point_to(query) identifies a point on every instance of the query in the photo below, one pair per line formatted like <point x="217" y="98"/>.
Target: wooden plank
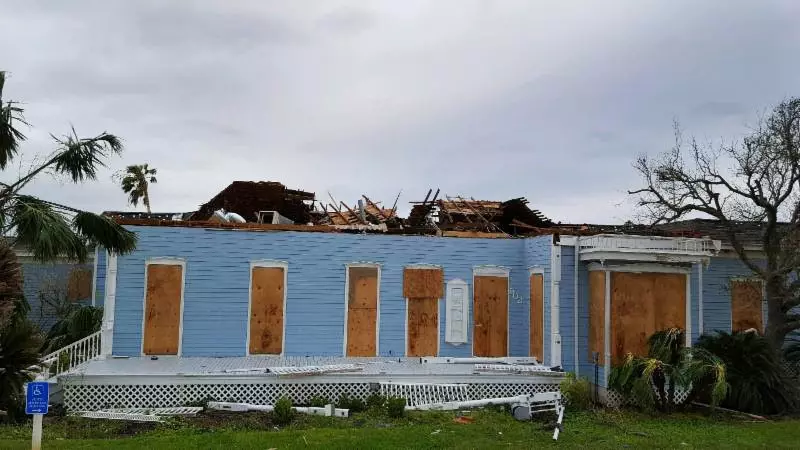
<point x="641" y="304"/>
<point x="597" y="307"/>
<point x="632" y="314"/>
<point x="423" y="326"/>
<point x="670" y="301"/>
<point x="746" y="300"/>
<point x="537" y="316"/>
<point x="163" y="309"/>
<point x="362" y="311"/>
<point x="490" y="325"/>
<point x="267" y="293"/>
<point x="79" y="285"/>
<point x="423" y="283"/>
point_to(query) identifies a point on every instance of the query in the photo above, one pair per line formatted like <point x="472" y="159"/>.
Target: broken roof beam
<point x="378" y="212"/>
<point x="356" y="216"/>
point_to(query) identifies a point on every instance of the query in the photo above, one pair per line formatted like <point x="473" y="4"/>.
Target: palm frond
<point x="10" y="135"/>
<point x="104" y="231"/>
<point x="80" y="158"/>
<point x="45" y="230"/>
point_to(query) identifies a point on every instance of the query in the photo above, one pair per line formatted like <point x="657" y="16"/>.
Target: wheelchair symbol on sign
<point x="37" y="391"/>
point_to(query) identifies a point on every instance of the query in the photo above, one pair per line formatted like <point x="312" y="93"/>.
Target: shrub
<point x="353" y="404"/>
<point x="19" y="351"/>
<point x="396" y="407"/>
<point x="318" y="401"/>
<point x="652" y="381"/>
<point x="759" y="382"/>
<point x="376" y="401"/>
<point x="283" y="412"/>
<point x="577" y="392"/>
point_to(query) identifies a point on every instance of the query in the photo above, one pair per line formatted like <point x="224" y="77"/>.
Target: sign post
<point x="37" y="397"/>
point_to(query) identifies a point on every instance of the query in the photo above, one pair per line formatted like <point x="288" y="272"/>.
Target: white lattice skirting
<point x="93" y="397"/>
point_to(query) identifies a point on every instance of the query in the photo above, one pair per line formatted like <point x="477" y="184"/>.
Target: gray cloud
<point x="484" y="99"/>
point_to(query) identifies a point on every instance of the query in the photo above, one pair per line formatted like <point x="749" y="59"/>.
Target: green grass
<point x="490" y="429"/>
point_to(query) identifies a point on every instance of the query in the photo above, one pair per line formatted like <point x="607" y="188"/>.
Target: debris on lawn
<point x="328" y="410"/>
<point x="463" y="419"/>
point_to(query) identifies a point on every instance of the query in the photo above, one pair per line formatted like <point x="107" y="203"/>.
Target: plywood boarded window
<point x="597" y="306"/>
<point x="746" y="301"/>
<point x="422" y="287"/>
<point x="490" y="306"/>
<point x="641" y="304"/>
<point x="163" y="298"/>
<point x="267" y="299"/>
<point x="362" y="311"/>
<point x="537" y="316"/>
<point x="79" y="285"/>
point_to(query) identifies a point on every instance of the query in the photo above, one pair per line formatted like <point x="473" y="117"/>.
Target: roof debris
<point x="271" y="206"/>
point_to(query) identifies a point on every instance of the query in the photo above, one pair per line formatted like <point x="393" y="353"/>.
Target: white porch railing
<point x="73" y="355"/>
<point x="648" y="244"/>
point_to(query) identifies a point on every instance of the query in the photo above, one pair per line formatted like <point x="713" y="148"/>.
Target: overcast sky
<point x="487" y="99"/>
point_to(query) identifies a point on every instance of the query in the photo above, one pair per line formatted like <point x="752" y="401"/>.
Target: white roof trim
<point x="535" y="269"/>
<point x="168" y="261"/>
<point x="269" y="263"/>
<point x="640" y="268"/>
<point x="422" y="266"/>
<point x="491" y="271"/>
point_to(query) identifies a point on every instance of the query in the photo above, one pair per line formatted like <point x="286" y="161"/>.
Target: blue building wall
<point x="567" y="309"/>
<point x="216" y="292"/>
<point x="717" y="293"/>
<point x="43" y="285"/>
<point x="100" y="278"/>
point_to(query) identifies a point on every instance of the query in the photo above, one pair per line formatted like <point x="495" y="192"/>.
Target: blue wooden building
<point x="570" y="301"/>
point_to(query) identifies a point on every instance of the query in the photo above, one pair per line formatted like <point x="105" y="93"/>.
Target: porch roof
<point x="603" y="247"/>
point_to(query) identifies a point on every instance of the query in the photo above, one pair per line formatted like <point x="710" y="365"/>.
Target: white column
<point x="555" y="306"/>
<point x="607" y="328"/>
<point x="107" y="328"/>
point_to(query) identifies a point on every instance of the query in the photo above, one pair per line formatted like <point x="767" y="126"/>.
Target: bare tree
<point x="756" y="180"/>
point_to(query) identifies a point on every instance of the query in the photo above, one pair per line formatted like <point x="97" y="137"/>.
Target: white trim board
<point x="535" y="270"/>
<point x="269" y="263"/>
<point x="640" y="268"/>
<point x="555" y="305"/>
<point x="423" y="266"/>
<point x="109" y="306"/>
<point x="348" y="266"/>
<point x="492" y="271"/>
<point x="166" y="261"/>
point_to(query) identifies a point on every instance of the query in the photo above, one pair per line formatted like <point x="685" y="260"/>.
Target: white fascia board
<point x="490" y="271"/>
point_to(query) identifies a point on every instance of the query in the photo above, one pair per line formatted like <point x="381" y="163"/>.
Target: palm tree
<point x="47" y="228"/>
<point x="135" y="183"/>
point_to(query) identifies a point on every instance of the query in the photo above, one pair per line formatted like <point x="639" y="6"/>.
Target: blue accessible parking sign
<point x="37" y="397"/>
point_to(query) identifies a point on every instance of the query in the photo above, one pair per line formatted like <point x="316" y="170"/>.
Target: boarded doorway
<point x="163" y="299"/>
<point x="267" y="299"/>
<point x="362" y="311"/>
<point x="422" y="288"/>
<point x="641" y="304"/>
<point x="537" y="316"/>
<point x="490" y="327"/>
<point x="746" y="300"/>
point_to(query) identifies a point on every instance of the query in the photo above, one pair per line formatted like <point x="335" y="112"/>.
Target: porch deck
<point x="177" y="381"/>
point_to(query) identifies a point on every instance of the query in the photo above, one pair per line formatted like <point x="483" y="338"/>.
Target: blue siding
<point x="717" y="293"/>
<point x="537" y="254"/>
<point x="46" y="282"/>
<point x="567" y="308"/>
<point x="217" y="285"/>
<point x="100" y="278"/>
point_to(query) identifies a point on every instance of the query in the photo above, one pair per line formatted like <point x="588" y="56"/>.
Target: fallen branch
<point x="732" y="411"/>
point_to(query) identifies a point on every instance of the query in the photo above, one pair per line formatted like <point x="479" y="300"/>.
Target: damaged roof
<point x="247" y="198"/>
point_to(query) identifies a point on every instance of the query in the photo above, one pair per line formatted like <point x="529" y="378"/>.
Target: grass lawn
<point x="490" y="429"/>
